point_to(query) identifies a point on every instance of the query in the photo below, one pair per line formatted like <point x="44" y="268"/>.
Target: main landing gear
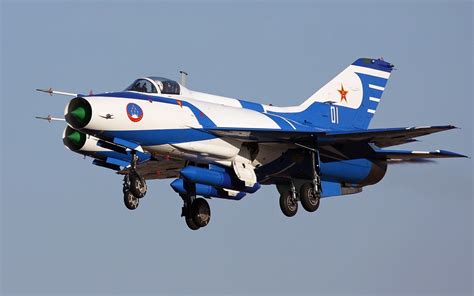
<point x="309" y="193"/>
<point x="196" y="212"/>
<point x="134" y="187"/>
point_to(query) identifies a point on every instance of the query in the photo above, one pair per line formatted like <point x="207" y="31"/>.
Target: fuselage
<point x="221" y="147"/>
<point x="176" y="125"/>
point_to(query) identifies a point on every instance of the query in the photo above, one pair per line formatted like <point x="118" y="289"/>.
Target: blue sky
<point x="66" y="231"/>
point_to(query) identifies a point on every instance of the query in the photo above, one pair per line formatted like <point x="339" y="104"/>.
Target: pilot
<point x="142" y="87"/>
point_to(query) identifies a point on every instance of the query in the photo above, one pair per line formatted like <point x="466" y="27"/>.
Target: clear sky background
<point x="65" y="229"/>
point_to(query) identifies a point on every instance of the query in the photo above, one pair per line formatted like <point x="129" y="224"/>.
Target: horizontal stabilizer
<point x="412" y="155"/>
<point x="385" y="137"/>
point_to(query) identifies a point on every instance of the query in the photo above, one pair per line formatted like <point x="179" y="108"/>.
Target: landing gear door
<point x="244" y="171"/>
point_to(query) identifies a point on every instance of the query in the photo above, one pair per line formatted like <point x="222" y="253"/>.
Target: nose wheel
<point x="137" y="185"/>
<point x="134" y="187"/>
<point x="131" y="201"/>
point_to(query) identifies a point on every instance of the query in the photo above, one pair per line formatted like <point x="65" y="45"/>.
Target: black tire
<point x="130" y="200"/>
<point x="190" y="223"/>
<point x="200" y="212"/>
<point x="288" y="204"/>
<point x="309" y="198"/>
<point x="137" y="185"/>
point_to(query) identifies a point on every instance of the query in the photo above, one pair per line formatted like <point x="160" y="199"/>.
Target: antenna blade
<point x="184" y="78"/>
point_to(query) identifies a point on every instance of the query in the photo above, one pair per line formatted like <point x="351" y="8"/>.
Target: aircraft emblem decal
<point x="343" y="93"/>
<point x="134" y="112"/>
<point x="107" y="116"/>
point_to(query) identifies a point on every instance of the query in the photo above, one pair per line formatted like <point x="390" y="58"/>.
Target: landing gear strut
<point x="310" y="193"/>
<point x="134" y="186"/>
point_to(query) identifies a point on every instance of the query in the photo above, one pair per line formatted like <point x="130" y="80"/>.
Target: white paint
<point x="420" y="152"/>
<point x="227" y="116"/>
<point x="374" y="99"/>
<point x="329" y="92"/>
<point x="373" y="86"/>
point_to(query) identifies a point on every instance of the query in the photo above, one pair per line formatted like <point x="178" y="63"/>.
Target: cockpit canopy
<point x="155" y="85"/>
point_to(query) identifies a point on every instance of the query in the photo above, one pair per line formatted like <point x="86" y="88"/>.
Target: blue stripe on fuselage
<point x="251" y="105"/>
<point x="201" y="117"/>
<point x="161" y="136"/>
<point x="282" y="123"/>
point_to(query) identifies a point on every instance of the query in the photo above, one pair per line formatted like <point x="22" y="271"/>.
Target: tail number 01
<point x="334" y="115"/>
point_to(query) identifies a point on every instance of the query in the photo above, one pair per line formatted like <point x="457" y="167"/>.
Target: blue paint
<point x="125" y="143"/>
<point x="201" y="117"/>
<point x="376" y="64"/>
<point x="251" y="105"/>
<point x="347" y="171"/>
<point x="319" y="114"/>
<point x="282" y="123"/>
<point x="112" y="154"/>
<point x="216" y="178"/>
<point x="161" y="136"/>
<point x="204" y="190"/>
<point x="115" y="161"/>
<point x="330" y="189"/>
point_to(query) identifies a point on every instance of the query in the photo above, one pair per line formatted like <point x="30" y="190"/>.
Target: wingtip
<point x="452" y="154"/>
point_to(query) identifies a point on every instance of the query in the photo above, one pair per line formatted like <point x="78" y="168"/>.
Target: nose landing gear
<point x="134" y="186"/>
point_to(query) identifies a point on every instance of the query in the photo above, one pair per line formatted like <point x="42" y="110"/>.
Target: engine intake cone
<point x="79" y="113"/>
<point x="75" y="137"/>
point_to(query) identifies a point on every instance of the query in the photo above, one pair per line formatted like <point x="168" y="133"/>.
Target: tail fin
<point x="350" y="99"/>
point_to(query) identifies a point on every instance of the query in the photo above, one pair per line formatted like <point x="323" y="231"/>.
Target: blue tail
<point x="348" y="101"/>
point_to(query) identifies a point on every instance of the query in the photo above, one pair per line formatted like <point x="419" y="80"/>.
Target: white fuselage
<point x="183" y="115"/>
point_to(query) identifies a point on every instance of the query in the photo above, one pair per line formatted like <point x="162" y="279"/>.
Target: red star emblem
<point x="343" y="93"/>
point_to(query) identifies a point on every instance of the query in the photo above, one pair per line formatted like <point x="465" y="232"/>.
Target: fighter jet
<point x="221" y="147"/>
